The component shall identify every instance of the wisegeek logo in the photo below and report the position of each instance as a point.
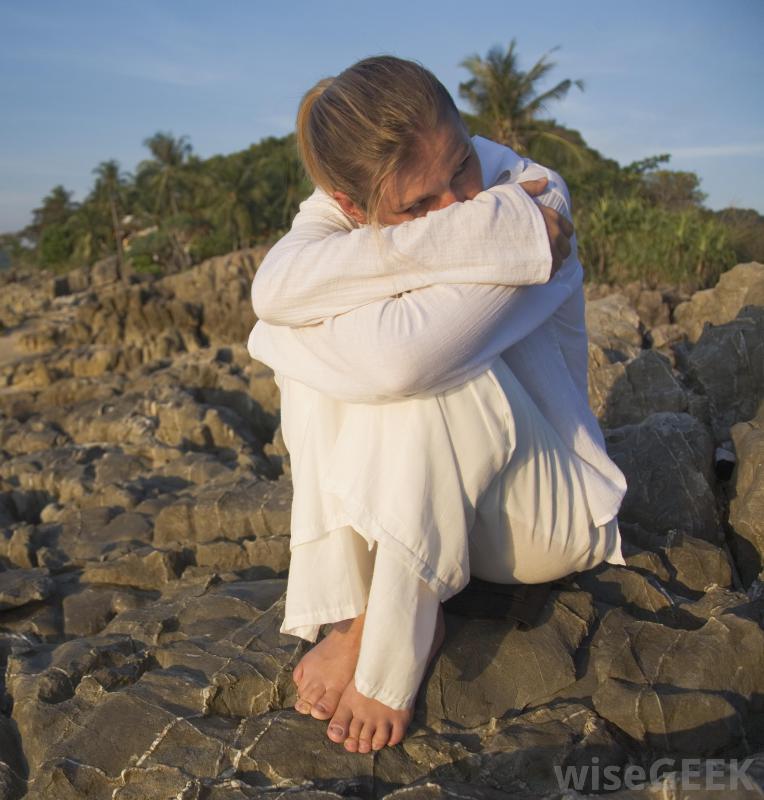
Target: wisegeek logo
(713, 774)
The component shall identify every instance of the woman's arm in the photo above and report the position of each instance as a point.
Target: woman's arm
(424, 341)
(325, 266)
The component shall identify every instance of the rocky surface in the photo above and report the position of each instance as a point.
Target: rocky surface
(144, 547)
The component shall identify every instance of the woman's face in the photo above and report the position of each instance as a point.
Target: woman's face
(446, 170)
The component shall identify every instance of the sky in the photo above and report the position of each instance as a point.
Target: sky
(83, 82)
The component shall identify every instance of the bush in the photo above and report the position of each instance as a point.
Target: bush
(56, 245)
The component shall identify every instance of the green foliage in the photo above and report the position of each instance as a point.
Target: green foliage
(56, 245)
(746, 231)
(631, 238)
(642, 221)
(505, 100)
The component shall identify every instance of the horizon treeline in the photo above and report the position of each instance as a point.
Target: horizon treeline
(641, 221)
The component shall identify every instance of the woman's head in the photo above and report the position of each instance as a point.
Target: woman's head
(382, 133)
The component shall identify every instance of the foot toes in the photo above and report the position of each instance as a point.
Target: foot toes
(340, 724)
(365, 737)
(351, 743)
(325, 706)
(381, 736)
(312, 693)
(397, 733)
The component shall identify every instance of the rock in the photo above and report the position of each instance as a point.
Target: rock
(727, 366)
(89, 610)
(489, 668)
(650, 304)
(628, 391)
(21, 586)
(668, 463)
(78, 280)
(741, 286)
(145, 500)
(747, 497)
(104, 271)
(531, 752)
(223, 285)
(614, 326)
(642, 596)
(12, 766)
(670, 690)
(662, 336)
(144, 568)
(696, 565)
(278, 453)
(245, 509)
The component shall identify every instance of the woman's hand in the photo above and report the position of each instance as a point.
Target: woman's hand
(558, 228)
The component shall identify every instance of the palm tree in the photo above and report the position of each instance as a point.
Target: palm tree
(236, 192)
(505, 101)
(109, 189)
(57, 207)
(166, 177)
(164, 174)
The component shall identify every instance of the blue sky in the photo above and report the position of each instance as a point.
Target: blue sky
(81, 82)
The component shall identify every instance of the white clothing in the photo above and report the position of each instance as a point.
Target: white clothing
(327, 264)
(516, 534)
(420, 476)
(433, 339)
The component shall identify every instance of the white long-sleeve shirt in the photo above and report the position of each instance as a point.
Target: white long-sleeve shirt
(439, 335)
(327, 263)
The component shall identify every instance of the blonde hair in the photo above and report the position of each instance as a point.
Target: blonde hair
(354, 131)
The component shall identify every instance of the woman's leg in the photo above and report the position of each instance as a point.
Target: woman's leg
(396, 635)
(403, 628)
(533, 523)
(329, 581)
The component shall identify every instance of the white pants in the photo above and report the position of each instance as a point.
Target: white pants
(532, 526)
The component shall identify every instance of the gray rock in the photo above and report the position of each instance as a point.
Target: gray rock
(242, 509)
(696, 564)
(641, 595)
(144, 568)
(489, 668)
(628, 391)
(670, 690)
(747, 501)
(137, 486)
(614, 326)
(727, 367)
(667, 460)
(223, 284)
(21, 586)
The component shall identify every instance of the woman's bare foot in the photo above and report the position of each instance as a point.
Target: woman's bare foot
(326, 669)
(364, 724)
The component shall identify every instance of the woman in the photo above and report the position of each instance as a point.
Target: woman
(399, 272)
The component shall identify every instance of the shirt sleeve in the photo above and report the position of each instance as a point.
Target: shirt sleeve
(425, 341)
(422, 343)
(325, 266)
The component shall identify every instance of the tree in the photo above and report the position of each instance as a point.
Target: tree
(164, 175)
(108, 190)
(57, 207)
(674, 189)
(166, 179)
(505, 101)
(236, 193)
